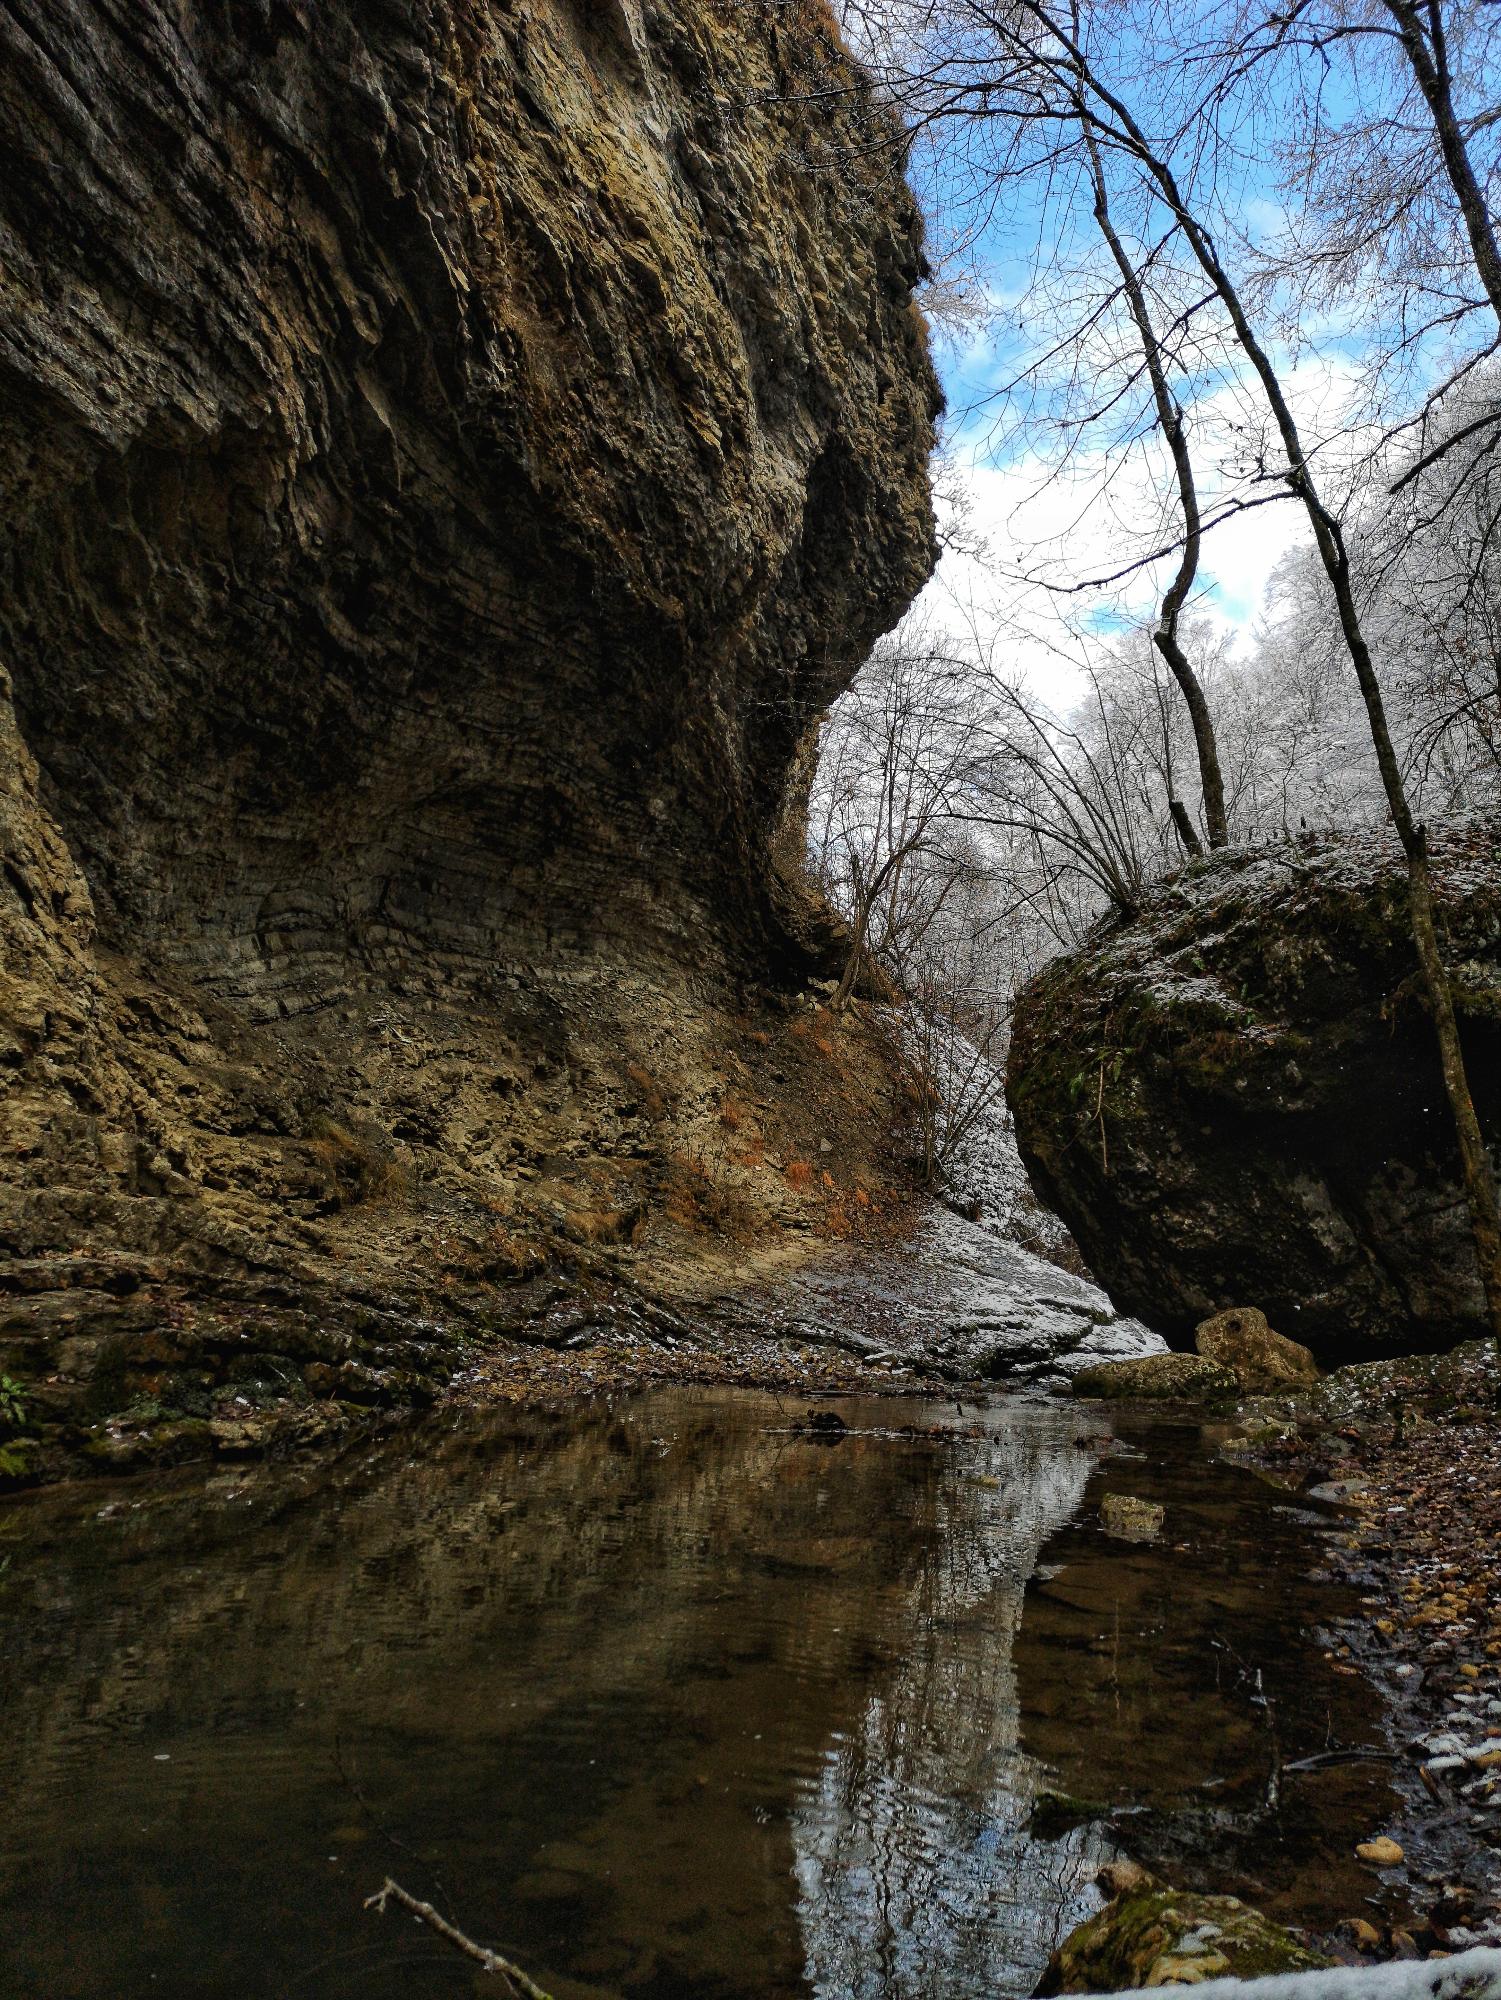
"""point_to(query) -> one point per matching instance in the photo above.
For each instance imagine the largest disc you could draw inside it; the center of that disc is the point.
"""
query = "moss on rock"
(1173, 1378)
(1157, 1936)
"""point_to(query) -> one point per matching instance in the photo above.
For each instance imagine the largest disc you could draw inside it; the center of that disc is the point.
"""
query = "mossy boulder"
(1155, 1378)
(1259, 1358)
(1236, 1094)
(1156, 1936)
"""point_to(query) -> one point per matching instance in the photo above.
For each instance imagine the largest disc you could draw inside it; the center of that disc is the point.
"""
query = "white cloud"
(1106, 509)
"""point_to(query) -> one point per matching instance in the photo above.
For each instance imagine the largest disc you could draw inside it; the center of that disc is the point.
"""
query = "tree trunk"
(1428, 58)
(1474, 1160)
(1187, 832)
(1170, 423)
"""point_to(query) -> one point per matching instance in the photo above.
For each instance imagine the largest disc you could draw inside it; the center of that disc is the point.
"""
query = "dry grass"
(599, 1225)
(517, 1256)
(731, 1114)
(694, 1199)
(797, 1173)
(653, 1097)
(359, 1164)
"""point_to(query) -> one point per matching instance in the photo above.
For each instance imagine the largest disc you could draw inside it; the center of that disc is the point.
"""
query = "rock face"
(1236, 1095)
(453, 449)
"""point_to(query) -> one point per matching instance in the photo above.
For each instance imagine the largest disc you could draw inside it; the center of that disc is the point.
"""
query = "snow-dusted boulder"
(1235, 1100)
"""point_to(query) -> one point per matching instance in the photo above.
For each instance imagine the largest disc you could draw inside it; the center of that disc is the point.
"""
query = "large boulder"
(1236, 1094)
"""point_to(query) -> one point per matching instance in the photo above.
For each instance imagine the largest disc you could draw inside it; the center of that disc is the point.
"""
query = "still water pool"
(670, 1698)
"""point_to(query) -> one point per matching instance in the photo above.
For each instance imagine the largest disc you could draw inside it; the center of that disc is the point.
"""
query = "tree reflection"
(916, 1875)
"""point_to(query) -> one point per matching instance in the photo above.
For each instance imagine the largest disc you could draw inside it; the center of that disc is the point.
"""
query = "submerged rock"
(1259, 1359)
(1155, 1936)
(1173, 1378)
(1265, 1118)
(1129, 1519)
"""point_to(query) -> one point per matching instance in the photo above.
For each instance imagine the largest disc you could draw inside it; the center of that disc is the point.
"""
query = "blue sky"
(1041, 528)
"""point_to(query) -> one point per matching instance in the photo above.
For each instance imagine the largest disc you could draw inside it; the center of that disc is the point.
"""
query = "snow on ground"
(1469, 1975)
(969, 1299)
(969, 1296)
(987, 1175)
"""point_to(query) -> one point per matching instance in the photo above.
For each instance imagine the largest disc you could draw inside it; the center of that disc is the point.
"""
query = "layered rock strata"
(452, 452)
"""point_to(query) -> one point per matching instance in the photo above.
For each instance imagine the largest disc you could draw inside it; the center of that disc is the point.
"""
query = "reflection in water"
(915, 1872)
(662, 1700)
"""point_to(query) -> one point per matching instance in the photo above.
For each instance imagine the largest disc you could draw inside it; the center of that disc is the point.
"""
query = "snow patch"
(1469, 1975)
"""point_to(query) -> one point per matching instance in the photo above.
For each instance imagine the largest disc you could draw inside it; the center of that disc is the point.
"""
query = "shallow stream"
(679, 1697)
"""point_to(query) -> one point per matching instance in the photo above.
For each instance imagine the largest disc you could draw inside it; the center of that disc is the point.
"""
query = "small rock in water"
(828, 1422)
(1382, 1852)
(1121, 1877)
(1153, 1935)
(1129, 1519)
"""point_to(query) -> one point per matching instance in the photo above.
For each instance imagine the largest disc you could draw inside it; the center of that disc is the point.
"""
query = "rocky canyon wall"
(452, 451)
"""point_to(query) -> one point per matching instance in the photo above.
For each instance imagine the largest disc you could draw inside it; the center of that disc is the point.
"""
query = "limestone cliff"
(1236, 1100)
(452, 450)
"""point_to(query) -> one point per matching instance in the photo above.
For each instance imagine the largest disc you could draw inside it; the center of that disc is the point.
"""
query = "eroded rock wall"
(452, 449)
(1235, 1099)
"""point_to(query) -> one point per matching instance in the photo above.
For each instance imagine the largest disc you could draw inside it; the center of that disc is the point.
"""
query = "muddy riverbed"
(680, 1696)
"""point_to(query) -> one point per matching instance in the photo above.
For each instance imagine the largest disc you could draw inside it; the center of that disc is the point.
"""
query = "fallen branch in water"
(1322, 1759)
(491, 1960)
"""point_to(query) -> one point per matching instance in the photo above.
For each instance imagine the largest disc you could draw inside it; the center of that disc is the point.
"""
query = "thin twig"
(490, 1960)
(1322, 1759)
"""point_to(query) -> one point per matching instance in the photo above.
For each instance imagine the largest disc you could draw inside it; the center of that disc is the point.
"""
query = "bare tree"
(1060, 81)
(898, 753)
(1170, 421)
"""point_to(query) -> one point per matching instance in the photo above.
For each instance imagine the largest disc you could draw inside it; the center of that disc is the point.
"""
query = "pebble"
(1380, 1853)
(1363, 1935)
